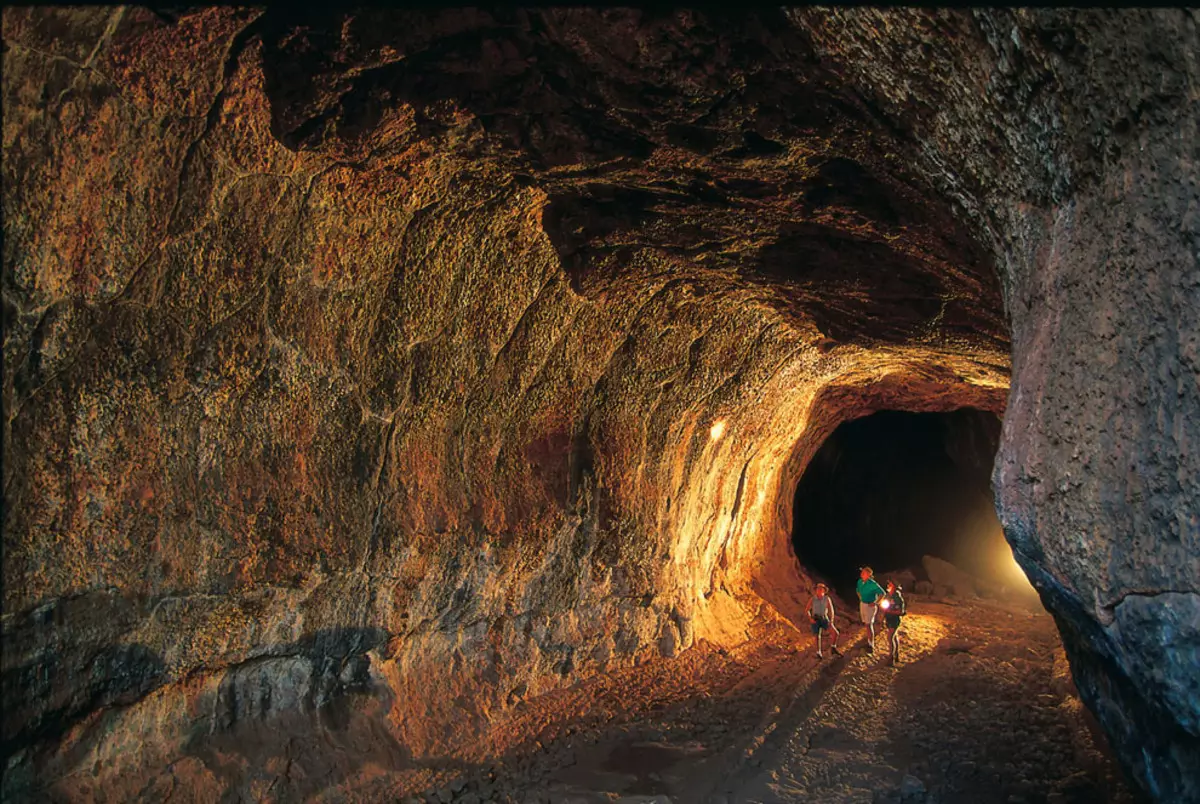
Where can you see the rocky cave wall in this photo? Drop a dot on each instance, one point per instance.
(361, 373)
(1079, 164)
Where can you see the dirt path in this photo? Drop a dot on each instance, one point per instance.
(979, 710)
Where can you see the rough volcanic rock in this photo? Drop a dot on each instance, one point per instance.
(367, 373)
(943, 573)
(1077, 160)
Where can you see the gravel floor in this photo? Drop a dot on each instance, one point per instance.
(979, 710)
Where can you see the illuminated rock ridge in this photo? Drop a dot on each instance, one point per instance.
(363, 373)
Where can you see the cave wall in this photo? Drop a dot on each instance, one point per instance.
(1079, 165)
(360, 372)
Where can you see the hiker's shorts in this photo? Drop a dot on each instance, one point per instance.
(820, 624)
(867, 612)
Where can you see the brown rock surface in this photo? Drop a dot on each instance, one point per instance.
(367, 374)
(943, 573)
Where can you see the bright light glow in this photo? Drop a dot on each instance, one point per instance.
(885, 604)
(1008, 570)
(718, 430)
(984, 552)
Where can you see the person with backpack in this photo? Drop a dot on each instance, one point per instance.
(894, 609)
(820, 612)
(869, 593)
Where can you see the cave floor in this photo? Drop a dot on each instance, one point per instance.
(981, 709)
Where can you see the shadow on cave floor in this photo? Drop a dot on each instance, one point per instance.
(980, 710)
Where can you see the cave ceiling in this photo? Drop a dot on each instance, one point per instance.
(484, 350)
(718, 142)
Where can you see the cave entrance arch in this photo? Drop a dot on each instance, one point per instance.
(893, 486)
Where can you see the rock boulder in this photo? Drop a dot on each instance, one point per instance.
(943, 574)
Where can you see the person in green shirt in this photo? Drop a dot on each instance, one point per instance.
(869, 592)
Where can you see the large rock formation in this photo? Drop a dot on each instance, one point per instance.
(366, 374)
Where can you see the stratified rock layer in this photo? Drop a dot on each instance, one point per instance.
(365, 375)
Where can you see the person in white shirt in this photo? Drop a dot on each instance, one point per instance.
(820, 612)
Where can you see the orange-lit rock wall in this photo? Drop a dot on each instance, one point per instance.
(360, 375)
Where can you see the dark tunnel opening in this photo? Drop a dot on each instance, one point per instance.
(887, 489)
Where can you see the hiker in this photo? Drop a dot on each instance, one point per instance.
(820, 612)
(894, 608)
(869, 592)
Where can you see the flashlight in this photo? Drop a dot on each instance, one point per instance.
(885, 604)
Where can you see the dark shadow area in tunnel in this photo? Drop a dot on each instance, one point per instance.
(891, 487)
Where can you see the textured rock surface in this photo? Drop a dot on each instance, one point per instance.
(943, 573)
(365, 375)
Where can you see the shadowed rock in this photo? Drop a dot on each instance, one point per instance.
(412, 330)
